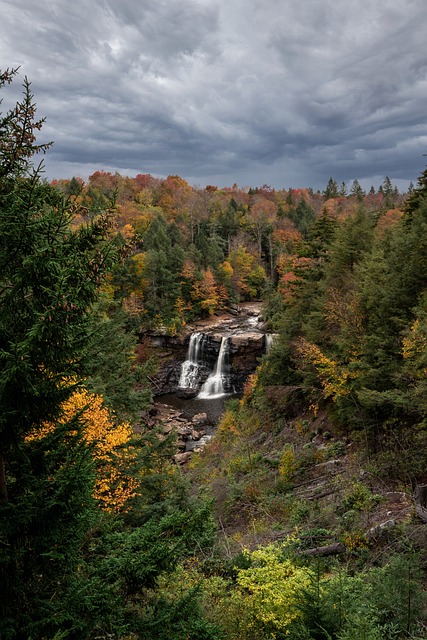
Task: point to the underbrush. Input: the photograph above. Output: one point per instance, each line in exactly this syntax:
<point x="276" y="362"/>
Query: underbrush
<point x="295" y="478"/>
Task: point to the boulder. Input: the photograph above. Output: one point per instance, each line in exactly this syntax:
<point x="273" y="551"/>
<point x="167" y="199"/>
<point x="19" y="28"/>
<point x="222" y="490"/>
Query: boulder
<point x="253" y="339"/>
<point x="185" y="432"/>
<point x="199" y="419"/>
<point x="181" y="445"/>
<point x="167" y="428"/>
<point x="182" y="458"/>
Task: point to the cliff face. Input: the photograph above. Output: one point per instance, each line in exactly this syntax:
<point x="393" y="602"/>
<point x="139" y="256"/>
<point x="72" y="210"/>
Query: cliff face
<point x="246" y="344"/>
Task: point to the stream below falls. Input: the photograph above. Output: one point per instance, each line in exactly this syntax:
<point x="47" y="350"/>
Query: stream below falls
<point x="213" y="407"/>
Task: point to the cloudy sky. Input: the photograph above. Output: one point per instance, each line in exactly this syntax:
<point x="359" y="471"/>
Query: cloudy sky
<point x="282" y="92"/>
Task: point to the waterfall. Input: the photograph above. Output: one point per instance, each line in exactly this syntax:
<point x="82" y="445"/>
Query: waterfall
<point x="214" y="387"/>
<point x="189" y="377"/>
<point x="270" y="339"/>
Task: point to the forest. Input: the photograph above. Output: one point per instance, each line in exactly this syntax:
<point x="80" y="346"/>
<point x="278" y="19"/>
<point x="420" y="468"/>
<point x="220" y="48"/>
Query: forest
<point x="305" y="517"/>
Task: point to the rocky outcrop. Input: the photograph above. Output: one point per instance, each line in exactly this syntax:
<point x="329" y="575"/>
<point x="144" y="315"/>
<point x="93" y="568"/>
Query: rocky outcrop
<point x="247" y="345"/>
<point x="191" y="433"/>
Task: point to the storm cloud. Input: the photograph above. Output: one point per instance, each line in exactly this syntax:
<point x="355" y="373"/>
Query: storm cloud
<point x="286" y="93"/>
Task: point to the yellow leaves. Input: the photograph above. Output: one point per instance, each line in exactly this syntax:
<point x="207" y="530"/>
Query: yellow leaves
<point x="181" y="306"/>
<point x="288" y="464"/>
<point x="228" y="424"/>
<point x="270" y="590"/>
<point x="188" y="270"/>
<point x="355" y="542"/>
<point x="226" y="270"/>
<point x="332" y="376"/>
<point x="128" y="231"/>
<point x="248" y="276"/>
<point x="139" y="261"/>
<point x="414" y="350"/>
<point x="249" y="387"/>
<point x="112" y="451"/>
<point x="415" y="342"/>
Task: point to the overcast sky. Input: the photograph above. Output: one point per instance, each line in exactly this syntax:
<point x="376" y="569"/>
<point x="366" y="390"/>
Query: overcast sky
<point x="282" y="92"/>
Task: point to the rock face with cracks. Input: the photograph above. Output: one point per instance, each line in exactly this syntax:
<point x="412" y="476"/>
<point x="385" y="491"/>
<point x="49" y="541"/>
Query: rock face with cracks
<point x="247" y="344"/>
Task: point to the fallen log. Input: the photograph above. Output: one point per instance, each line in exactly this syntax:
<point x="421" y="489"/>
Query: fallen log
<point x="421" y="501"/>
<point x="327" y="550"/>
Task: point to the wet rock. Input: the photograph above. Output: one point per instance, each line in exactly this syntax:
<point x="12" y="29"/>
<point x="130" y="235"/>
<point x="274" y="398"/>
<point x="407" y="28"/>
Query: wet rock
<point x="187" y="393"/>
<point x="198" y="445"/>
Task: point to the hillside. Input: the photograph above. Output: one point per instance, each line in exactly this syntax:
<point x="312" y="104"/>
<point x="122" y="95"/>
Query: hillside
<point x="298" y="519"/>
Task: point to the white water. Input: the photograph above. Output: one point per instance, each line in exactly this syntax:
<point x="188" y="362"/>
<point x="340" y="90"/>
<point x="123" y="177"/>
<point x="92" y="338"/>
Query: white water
<point x="214" y="386"/>
<point x="268" y="342"/>
<point x="189" y="377"/>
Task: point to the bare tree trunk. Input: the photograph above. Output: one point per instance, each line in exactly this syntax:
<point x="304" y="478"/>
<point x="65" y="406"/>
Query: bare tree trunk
<point x="327" y="550"/>
<point x="3" y="487"/>
<point x="421" y="501"/>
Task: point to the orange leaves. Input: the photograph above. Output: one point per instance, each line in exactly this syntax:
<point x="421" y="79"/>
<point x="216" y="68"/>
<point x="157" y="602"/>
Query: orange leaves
<point x="188" y="270"/>
<point x="290" y="269"/>
<point x="205" y="292"/>
<point x="388" y="220"/>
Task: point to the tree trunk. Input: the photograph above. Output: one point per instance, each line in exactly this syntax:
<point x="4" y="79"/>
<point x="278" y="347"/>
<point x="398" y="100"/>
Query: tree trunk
<point x="3" y="487"/>
<point x="327" y="550"/>
<point x="421" y="501"/>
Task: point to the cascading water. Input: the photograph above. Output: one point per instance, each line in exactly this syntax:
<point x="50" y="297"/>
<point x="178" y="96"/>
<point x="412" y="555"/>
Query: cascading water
<point x="214" y="387"/>
<point x="268" y="342"/>
<point x="189" y="377"/>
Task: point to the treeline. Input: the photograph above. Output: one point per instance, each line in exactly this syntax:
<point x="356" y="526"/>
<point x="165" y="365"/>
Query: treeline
<point x="197" y="250"/>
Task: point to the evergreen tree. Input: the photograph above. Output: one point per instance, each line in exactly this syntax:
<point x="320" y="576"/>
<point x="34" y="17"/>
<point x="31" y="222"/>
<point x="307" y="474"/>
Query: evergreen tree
<point x="389" y="193"/>
<point x="418" y="195"/>
<point x="303" y="216"/>
<point x="331" y="190"/>
<point x="356" y="190"/>
<point x="162" y="266"/>
<point x="50" y="277"/>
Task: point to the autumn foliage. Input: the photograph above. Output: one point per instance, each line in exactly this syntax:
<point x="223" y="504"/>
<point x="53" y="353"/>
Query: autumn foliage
<point x="111" y="445"/>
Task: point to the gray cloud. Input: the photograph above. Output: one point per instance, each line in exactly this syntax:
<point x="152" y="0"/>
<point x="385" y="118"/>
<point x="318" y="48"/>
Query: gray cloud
<point x="282" y="92"/>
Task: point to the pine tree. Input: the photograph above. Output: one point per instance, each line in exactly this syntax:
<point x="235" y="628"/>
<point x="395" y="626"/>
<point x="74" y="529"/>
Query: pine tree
<point x="331" y="190"/>
<point x="356" y="190"/>
<point x="418" y="195"/>
<point x="50" y="277"/>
